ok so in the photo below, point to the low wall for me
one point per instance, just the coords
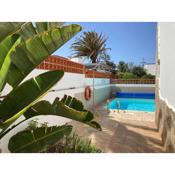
(133, 81)
(55, 62)
(132, 88)
(101, 94)
(74, 84)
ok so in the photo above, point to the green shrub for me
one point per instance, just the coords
(139, 71)
(73, 144)
(120, 75)
(69, 144)
(128, 75)
(122, 66)
(148, 76)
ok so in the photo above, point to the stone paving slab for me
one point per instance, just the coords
(123, 132)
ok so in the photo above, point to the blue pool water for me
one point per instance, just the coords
(133, 101)
(142, 95)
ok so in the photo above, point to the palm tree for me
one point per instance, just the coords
(90, 45)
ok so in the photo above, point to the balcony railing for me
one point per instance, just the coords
(133, 81)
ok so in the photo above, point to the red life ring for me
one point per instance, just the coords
(87, 93)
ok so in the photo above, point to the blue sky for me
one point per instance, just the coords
(129, 41)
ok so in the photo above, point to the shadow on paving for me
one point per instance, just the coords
(128, 141)
(122, 137)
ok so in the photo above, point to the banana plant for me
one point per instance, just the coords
(37, 140)
(23, 46)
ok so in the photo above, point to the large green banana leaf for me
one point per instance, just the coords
(37, 140)
(22, 97)
(36, 48)
(29, 30)
(66, 107)
(7, 28)
(6, 47)
(42, 26)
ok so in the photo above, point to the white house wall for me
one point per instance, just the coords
(72, 84)
(167, 62)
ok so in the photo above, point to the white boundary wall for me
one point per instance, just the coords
(132, 88)
(167, 62)
(74, 84)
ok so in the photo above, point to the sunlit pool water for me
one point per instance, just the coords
(134, 104)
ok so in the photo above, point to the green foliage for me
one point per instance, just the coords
(69, 143)
(130, 71)
(148, 76)
(122, 67)
(126, 75)
(19, 99)
(129, 75)
(90, 45)
(120, 75)
(135, 72)
(73, 144)
(8, 28)
(68, 107)
(38, 139)
(23, 47)
(138, 71)
(130, 66)
(7, 46)
(35, 47)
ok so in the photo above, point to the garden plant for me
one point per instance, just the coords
(23, 46)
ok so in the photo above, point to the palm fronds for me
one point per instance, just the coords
(91, 45)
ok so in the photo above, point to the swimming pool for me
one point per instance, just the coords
(133, 102)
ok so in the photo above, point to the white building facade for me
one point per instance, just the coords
(150, 68)
(165, 102)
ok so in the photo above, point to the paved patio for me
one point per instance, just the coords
(123, 132)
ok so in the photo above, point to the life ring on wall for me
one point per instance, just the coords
(87, 93)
